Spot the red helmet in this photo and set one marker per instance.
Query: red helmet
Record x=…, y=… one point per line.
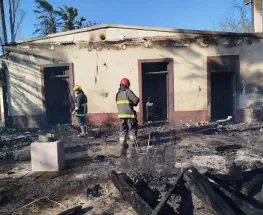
x=125, y=82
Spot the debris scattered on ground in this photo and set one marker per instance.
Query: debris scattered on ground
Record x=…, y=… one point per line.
x=73, y=211
x=94, y=191
x=222, y=194
x=211, y=147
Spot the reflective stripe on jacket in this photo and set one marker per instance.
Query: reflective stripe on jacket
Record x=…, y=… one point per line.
x=126, y=100
x=81, y=105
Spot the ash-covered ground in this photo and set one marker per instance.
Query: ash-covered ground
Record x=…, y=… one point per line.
x=211, y=148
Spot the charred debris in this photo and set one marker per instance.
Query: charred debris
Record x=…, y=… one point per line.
x=232, y=193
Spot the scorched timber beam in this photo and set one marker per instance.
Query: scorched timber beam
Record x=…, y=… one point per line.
x=130, y=194
x=202, y=188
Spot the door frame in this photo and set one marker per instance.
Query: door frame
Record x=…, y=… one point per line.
x=236, y=72
x=170, y=96
x=71, y=85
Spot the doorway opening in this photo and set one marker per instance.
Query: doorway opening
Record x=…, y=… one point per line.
x=57, y=94
x=222, y=95
x=155, y=91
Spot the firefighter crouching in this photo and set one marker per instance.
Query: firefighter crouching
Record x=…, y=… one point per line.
x=126, y=101
x=80, y=110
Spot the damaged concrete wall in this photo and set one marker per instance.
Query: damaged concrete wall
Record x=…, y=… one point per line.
x=1, y=105
x=251, y=83
x=99, y=65
x=24, y=91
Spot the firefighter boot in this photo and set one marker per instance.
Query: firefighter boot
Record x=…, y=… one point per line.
x=86, y=129
x=123, y=143
x=83, y=133
x=133, y=141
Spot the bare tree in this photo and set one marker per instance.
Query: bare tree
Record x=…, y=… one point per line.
x=3, y=25
x=16, y=17
x=4, y=40
x=236, y=20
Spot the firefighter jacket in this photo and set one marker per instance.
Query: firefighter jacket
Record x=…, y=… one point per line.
x=81, y=104
x=126, y=101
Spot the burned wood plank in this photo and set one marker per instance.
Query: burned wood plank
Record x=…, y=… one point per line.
x=148, y=195
x=245, y=205
x=130, y=195
x=166, y=172
x=202, y=188
x=167, y=196
x=73, y=211
x=228, y=147
x=253, y=186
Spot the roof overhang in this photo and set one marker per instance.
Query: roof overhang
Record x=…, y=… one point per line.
x=168, y=30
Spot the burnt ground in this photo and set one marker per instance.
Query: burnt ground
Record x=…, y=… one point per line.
x=211, y=148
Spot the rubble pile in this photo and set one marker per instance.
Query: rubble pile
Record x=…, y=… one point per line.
x=178, y=169
x=12, y=140
x=236, y=192
x=15, y=139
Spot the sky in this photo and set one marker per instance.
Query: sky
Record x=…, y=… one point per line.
x=185, y=14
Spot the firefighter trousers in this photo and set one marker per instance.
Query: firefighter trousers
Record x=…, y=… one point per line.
x=81, y=120
x=127, y=127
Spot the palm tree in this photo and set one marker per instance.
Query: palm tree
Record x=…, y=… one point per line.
x=48, y=18
x=90, y=23
x=69, y=18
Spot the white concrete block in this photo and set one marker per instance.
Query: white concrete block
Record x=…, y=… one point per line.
x=47, y=156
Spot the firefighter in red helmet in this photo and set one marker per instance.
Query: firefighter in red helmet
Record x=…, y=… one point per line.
x=126, y=101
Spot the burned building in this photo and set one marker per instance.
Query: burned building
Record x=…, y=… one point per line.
x=189, y=76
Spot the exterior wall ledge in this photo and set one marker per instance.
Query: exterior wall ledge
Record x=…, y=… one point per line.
x=169, y=30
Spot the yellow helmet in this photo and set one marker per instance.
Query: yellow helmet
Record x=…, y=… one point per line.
x=77, y=88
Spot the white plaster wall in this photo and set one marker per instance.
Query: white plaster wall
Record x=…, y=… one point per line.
x=99, y=72
x=190, y=73
x=24, y=89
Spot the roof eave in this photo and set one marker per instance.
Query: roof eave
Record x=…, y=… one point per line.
x=168, y=30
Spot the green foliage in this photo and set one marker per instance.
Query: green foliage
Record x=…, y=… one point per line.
x=48, y=18
x=69, y=18
x=55, y=20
